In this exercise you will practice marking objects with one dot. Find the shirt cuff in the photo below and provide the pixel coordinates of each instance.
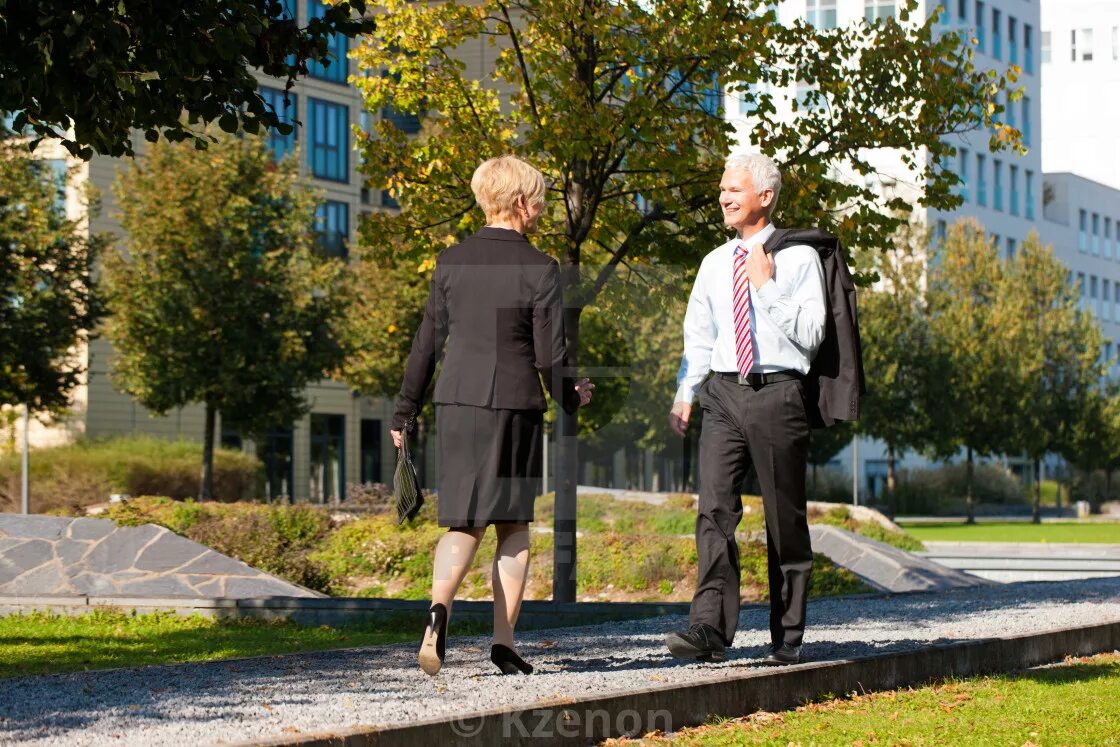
(686, 392)
(765, 296)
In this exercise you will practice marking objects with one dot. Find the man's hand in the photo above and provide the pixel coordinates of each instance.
(584, 387)
(678, 417)
(397, 438)
(760, 268)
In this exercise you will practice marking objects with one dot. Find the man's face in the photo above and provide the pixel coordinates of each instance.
(742, 204)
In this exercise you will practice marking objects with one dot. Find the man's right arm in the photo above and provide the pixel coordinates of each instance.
(699, 340)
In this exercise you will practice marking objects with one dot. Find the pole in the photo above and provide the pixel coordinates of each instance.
(855, 470)
(544, 459)
(25, 491)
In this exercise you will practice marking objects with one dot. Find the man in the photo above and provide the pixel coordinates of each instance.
(755, 322)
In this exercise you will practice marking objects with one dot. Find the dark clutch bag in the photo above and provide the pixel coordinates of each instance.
(406, 484)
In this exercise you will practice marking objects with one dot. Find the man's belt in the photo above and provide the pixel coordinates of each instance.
(757, 380)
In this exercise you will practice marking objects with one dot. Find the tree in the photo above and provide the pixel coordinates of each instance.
(905, 368)
(47, 301)
(1056, 367)
(970, 321)
(90, 72)
(222, 298)
(619, 104)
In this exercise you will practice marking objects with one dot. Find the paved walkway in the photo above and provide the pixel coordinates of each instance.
(226, 702)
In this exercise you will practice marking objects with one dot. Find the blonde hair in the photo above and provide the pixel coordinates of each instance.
(498, 182)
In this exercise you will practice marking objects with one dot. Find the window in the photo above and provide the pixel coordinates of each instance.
(942, 231)
(821, 13)
(370, 451)
(328, 458)
(981, 181)
(1012, 41)
(980, 26)
(1014, 184)
(332, 223)
(1093, 306)
(329, 154)
(275, 453)
(1106, 305)
(1009, 111)
(1028, 197)
(1010, 248)
(1087, 45)
(997, 40)
(1081, 290)
(1116, 300)
(1108, 354)
(1045, 47)
(962, 11)
(338, 45)
(1095, 241)
(997, 184)
(282, 145)
(1028, 49)
(1083, 231)
(1026, 104)
(1108, 238)
(993, 239)
(876, 10)
(963, 161)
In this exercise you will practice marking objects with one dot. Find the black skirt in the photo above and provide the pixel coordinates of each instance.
(490, 464)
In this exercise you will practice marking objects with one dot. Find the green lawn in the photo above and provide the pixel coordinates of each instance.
(40, 643)
(1077, 704)
(1016, 532)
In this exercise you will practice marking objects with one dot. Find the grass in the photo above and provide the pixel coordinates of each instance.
(1088, 532)
(1074, 704)
(40, 643)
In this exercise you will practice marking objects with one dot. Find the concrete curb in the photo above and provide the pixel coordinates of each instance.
(727, 694)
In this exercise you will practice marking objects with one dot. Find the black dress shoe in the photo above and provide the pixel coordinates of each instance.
(507, 660)
(435, 638)
(782, 655)
(701, 641)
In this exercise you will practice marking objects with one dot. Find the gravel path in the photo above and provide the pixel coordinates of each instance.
(256, 698)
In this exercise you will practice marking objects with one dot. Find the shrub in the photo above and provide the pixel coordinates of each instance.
(942, 490)
(77, 475)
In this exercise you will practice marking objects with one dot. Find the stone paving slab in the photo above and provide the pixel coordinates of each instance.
(59, 555)
(285, 696)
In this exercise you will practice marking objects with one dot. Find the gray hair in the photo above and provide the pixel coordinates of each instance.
(764, 172)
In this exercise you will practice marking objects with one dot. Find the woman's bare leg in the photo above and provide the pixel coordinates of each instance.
(454, 555)
(510, 573)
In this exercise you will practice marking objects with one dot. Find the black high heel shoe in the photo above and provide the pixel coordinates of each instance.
(508, 661)
(435, 637)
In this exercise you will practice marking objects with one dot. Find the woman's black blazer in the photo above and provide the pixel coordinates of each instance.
(496, 302)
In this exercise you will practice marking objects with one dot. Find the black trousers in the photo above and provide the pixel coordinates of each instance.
(765, 428)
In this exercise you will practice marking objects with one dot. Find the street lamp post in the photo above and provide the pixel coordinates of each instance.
(25, 491)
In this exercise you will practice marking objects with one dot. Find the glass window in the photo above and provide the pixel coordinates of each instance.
(981, 180)
(997, 184)
(338, 68)
(1095, 241)
(1028, 49)
(997, 40)
(821, 13)
(942, 231)
(1012, 41)
(275, 453)
(1083, 230)
(876, 10)
(980, 26)
(1106, 304)
(1093, 295)
(1013, 178)
(1009, 111)
(328, 129)
(371, 451)
(1045, 47)
(962, 156)
(1026, 103)
(1116, 300)
(1028, 198)
(328, 457)
(962, 11)
(1086, 45)
(1108, 238)
(1010, 248)
(332, 224)
(282, 145)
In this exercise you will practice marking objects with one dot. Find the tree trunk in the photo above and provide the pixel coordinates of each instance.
(1036, 507)
(566, 471)
(970, 516)
(1108, 483)
(206, 490)
(891, 476)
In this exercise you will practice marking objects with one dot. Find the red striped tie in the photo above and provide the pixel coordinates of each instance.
(744, 340)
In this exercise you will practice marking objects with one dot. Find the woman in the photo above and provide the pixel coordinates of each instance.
(496, 300)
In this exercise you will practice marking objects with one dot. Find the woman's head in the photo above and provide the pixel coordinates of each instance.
(509, 191)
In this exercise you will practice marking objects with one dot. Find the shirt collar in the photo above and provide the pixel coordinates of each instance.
(758, 237)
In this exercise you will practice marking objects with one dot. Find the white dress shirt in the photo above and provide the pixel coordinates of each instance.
(787, 315)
